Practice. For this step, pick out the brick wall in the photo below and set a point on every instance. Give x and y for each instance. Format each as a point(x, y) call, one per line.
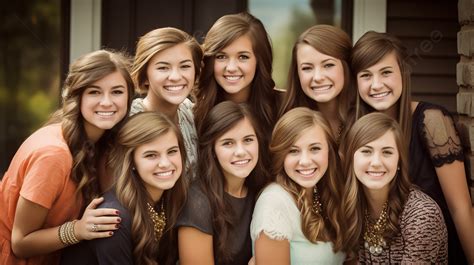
point(465, 77)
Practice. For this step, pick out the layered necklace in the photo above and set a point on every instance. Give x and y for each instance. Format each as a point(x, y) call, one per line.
point(373, 234)
point(159, 220)
point(316, 207)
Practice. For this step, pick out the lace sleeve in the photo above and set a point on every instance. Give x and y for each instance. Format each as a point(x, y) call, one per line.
point(441, 137)
point(272, 217)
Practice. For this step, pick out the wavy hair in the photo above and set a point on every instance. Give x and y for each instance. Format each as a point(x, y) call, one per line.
point(369, 50)
point(86, 70)
point(365, 130)
point(287, 131)
point(222, 118)
point(130, 189)
point(262, 97)
point(159, 40)
point(331, 41)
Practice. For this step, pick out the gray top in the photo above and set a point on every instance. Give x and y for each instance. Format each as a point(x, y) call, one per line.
point(197, 213)
point(187, 127)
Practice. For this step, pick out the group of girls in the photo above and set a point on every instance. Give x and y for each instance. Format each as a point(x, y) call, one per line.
point(214, 166)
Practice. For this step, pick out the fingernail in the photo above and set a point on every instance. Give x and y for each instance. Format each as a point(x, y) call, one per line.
point(117, 212)
point(117, 226)
point(111, 233)
point(119, 220)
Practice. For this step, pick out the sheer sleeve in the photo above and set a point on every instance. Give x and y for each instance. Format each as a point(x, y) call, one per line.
point(441, 137)
point(271, 215)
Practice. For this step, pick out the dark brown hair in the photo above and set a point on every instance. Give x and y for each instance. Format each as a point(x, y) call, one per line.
point(262, 98)
point(365, 130)
point(223, 117)
point(369, 50)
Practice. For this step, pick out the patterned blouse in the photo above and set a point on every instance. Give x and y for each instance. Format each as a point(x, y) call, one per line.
point(422, 238)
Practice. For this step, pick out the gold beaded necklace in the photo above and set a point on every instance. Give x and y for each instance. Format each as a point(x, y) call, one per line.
point(159, 220)
point(373, 234)
point(317, 207)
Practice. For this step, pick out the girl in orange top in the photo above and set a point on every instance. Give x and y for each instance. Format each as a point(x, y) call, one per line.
point(55, 170)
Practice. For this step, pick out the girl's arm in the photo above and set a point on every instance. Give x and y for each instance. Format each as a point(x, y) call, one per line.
point(195, 247)
point(270, 251)
point(30, 239)
point(452, 178)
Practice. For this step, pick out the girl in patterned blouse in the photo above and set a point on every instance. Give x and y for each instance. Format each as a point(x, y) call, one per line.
point(387, 220)
point(380, 63)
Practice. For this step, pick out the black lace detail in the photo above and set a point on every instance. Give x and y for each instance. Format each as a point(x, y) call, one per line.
point(440, 135)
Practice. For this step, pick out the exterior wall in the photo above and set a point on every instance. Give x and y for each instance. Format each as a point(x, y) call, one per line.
point(465, 76)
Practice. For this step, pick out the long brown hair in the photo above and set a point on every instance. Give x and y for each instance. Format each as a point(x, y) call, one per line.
point(86, 70)
point(262, 97)
point(223, 117)
point(159, 40)
point(331, 41)
point(365, 130)
point(287, 131)
point(132, 194)
point(369, 50)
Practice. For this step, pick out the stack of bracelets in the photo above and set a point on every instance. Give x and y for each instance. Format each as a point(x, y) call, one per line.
point(66, 233)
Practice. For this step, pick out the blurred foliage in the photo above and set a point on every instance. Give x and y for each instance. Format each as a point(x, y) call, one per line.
point(301, 19)
point(29, 70)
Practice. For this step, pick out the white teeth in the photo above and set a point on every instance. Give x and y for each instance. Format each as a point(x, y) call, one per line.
point(174, 88)
point(105, 113)
point(241, 162)
point(327, 87)
point(380, 95)
point(232, 78)
point(306, 171)
point(375, 174)
point(164, 174)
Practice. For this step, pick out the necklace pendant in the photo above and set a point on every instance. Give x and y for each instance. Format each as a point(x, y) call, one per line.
point(378, 249)
point(372, 250)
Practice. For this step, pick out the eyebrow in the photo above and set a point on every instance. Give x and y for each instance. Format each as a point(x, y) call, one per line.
point(98, 87)
point(385, 147)
point(167, 63)
point(232, 139)
point(311, 144)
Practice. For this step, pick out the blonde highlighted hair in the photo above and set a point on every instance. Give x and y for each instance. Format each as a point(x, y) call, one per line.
point(140, 129)
point(287, 131)
point(329, 40)
point(159, 40)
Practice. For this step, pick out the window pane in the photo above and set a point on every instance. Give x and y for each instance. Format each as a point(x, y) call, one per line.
point(286, 20)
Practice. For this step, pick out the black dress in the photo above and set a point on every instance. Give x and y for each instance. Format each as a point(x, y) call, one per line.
point(434, 143)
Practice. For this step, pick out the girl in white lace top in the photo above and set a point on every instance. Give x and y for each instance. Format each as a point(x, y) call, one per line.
point(296, 219)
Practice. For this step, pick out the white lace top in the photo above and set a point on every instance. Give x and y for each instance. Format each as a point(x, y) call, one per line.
point(187, 127)
point(277, 215)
